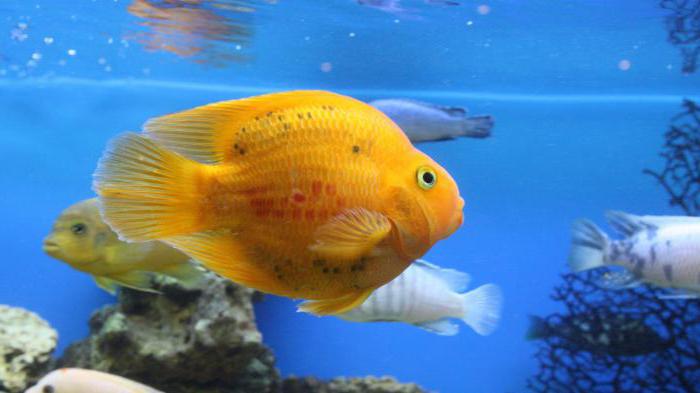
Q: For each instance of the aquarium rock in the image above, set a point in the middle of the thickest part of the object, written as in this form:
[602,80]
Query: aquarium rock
[186,340]
[26,345]
[348,385]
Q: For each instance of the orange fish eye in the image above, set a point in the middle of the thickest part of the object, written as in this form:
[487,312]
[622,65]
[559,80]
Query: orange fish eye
[426,176]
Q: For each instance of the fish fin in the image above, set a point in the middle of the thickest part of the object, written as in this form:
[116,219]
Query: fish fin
[206,133]
[105,283]
[456,280]
[337,305]
[135,279]
[629,224]
[442,327]
[626,224]
[482,308]
[222,252]
[351,234]
[587,247]
[147,192]
[477,126]
[188,274]
[618,280]
[538,329]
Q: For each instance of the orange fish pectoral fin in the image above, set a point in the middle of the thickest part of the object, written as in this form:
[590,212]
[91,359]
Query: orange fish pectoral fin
[222,252]
[337,305]
[207,133]
[351,234]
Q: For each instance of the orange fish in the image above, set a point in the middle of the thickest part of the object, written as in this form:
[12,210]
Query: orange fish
[304,194]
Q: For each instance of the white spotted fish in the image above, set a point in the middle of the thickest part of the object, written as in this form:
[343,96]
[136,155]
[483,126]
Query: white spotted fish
[660,250]
[423,122]
[77,380]
[428,296]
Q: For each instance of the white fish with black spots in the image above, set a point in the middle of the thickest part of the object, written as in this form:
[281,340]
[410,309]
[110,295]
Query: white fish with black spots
[423,122]
[428,296]
[659,250]
[78,380]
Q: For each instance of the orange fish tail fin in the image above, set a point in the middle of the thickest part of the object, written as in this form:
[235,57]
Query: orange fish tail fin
[147,192]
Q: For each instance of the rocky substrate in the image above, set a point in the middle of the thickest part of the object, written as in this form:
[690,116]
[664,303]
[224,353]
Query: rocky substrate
[201,340]
[26,345]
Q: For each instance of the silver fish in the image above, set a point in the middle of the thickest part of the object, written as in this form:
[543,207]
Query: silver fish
[660,250]
[428,296]
[423,121]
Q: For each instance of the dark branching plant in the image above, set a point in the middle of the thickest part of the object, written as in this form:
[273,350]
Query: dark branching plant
[683,25]
[588,363]
[565,367]
[680,176]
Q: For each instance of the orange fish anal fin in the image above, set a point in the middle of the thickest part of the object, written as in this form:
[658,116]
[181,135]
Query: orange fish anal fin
[336,305]
[147,192]
[351,234]
[222,252]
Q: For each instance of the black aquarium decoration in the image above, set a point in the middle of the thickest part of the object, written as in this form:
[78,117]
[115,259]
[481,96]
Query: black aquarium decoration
[593,362]
[636,340]
[680,176]
[683,25]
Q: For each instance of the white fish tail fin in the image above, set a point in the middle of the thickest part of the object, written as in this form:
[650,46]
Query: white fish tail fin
[588,246]
[147,192]
[482,308]
[477,126]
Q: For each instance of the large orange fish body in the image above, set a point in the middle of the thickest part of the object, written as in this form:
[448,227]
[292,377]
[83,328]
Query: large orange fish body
[304,194]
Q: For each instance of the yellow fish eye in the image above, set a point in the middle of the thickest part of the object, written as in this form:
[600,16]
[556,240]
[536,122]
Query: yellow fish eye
[427,178]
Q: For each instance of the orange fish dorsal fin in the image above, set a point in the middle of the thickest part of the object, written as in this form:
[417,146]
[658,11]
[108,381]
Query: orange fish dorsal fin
[337,305]
[206,133]
[221,251]
[351,234]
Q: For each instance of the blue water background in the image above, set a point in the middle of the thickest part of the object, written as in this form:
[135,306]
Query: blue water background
[573,133]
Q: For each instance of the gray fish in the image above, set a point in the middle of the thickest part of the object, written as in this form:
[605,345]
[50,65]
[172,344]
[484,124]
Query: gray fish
[600,333]
[660,250]
[424,122]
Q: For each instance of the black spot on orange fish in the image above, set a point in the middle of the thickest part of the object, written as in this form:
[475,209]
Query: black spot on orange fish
[356,149]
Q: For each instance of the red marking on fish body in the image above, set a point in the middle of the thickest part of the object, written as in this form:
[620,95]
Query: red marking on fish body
[316,187]
[340,202]
[278,213]
[298,197]
[323,215]
[262,213]
[330,189]
[309,215]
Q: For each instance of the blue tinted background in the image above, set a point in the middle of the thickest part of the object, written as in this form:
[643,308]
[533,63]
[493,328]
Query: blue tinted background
[573,133]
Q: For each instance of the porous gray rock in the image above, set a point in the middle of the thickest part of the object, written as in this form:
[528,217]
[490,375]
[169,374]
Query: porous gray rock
[26,345]
[348,385]
[201,339]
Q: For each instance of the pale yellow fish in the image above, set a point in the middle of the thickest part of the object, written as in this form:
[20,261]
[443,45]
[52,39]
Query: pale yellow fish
[81,239]
[77,380]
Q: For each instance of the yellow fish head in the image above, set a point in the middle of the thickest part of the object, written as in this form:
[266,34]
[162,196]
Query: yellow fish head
[435,195]
[78,235]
